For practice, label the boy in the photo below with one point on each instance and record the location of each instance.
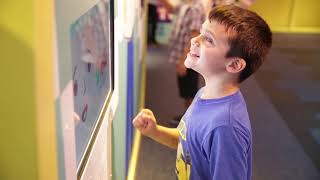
(188, 22)
(213, 139)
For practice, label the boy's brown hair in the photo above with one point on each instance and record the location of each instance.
(250, 37)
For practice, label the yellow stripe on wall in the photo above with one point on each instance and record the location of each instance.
(306, 14)
(293, 16)
(44, 61)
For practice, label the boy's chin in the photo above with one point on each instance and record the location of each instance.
(189, 63)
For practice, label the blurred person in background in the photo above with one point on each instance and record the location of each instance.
(153, 16)
(152, 21)
(189, 17)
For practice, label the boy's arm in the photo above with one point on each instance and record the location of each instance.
(166, 136)
(146, 123)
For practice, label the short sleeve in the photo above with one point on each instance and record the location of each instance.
(225, 151)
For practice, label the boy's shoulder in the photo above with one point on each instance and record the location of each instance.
(229, 111)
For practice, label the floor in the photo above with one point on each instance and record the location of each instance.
(283, 100)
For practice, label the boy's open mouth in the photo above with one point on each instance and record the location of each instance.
(194, 55)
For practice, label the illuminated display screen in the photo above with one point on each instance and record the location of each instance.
(91, 71)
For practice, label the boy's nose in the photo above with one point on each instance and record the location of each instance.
(194, 41)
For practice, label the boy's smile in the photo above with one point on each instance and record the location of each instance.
(193, 55)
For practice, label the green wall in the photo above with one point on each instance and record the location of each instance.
(18, 151)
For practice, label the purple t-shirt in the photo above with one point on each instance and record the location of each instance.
(215, 140)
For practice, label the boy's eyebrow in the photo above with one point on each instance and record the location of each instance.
(209, 32)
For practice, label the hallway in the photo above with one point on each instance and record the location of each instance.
(283, 101)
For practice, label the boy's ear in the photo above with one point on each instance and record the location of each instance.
(236, 65)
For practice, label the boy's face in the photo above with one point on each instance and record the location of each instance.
(208, 50)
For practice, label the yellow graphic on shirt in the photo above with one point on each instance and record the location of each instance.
(183, 159)
(182, 129)
(182, 167)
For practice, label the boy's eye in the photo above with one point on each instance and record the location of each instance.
(208, 39)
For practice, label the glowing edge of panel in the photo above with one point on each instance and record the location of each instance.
(90, 172)
(137, 137)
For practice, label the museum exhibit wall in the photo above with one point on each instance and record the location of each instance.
(37, 133)
(132, 51)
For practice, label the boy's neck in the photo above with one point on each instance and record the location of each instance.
(217, 88)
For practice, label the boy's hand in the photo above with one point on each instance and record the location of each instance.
(145, 122)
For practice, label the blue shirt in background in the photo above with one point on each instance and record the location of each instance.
(215, 140)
